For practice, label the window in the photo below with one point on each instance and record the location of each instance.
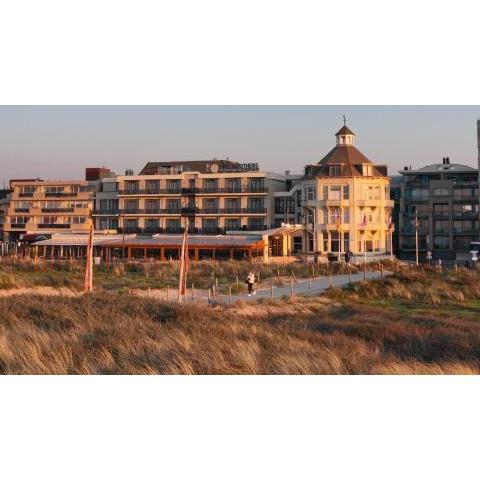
(465, 208)
(76, 220)
(256, 204)
(335, 193)
(173, 225)
(280, 205)
(27, 189)
(311, 193)
(210, 184)
(325, 192)
(52, 189)
(346, 192)
(173, 186)
(290, 205)
(131, 206)
(210, 205)
(335, 170)
(233, 184)
(419, 194)
(152, 185)
(18, 220)
(210, 225)
(366, 170)
(441, 226)
(173, 205)
(233, 224)
(441, 192)
(256, 184)
(333, 215)
(441, 243)
(255, 223)
(131, 185)
(346, 215)
(233, 205)
(465, 226)
(49, 220)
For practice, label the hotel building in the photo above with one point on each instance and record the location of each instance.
(445, 200)
(333, 199)
(207, 197)
(36, 207)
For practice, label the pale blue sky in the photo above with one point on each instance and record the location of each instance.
(59, 142)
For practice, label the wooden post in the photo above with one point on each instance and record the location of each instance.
(229, 294)
(193, 289)
(291, 287)
(350, 274)
(168, 293)
(88, 285)
(331, 280)
(381, 270)
(237, 281)
(310, 282)
(209, 295)
(271, 290)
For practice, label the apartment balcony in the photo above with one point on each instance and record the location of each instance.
(466, 231)
(17, 226)
(442, 215)
(60, 194)
(155, 191)
(26, 195)
(54, 225)
(466, 215)
(189, 210)
(57, 210)
(107, 211)
(22, 210)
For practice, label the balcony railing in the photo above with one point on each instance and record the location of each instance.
(22, 210)
(193, 191)
(154, 191)
(54, 225)
(106, 211)
(57, 210)
(25, 195)
(61, 194)
(18, 225)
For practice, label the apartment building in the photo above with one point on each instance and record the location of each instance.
(343, 202)
(207, 197)
(444, 198)
(35, 207)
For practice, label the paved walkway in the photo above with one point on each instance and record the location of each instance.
(318, 285)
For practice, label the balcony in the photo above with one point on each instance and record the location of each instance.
(26, 195)
(18, 225)
(254, 210)
(107, 211)
(444, 215)
(57, 210)
(54, 225)
(22, 210)
(60, 194)
(189, 210)
(156, 191)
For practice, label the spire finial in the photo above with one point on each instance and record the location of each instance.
(344, 121)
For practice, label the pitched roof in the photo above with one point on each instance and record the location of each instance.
(344, 131)
(349, 157)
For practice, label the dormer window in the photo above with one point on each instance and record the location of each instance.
(334, 170)
(366, 170)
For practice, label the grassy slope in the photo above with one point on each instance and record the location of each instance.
(155, 275)
(423, 322)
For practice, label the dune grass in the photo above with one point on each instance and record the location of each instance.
(25, 273)
(411, 323)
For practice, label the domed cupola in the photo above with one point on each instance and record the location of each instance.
(345, 137)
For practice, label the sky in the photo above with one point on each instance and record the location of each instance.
(55, 142)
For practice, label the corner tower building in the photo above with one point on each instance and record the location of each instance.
(346, 201)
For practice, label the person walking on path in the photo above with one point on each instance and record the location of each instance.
(250, 283)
